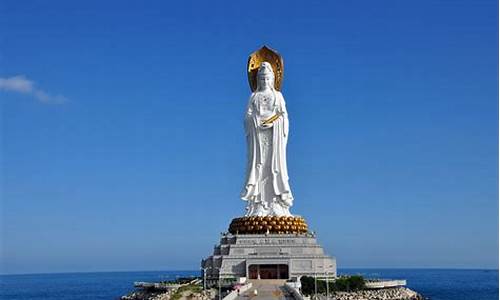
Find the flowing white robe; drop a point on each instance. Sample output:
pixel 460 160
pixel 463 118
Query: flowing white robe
pixel 264 197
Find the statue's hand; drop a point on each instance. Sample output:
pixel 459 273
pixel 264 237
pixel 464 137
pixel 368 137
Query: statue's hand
pixel 266 125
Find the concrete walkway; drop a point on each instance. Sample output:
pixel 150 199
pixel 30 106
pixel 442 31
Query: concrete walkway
pixel 267 289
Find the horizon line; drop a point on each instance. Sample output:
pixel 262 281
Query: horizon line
pixel 195 270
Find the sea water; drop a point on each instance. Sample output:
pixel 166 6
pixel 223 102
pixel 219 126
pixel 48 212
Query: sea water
pixel 436 284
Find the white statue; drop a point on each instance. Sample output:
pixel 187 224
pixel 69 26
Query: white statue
pixel 266 189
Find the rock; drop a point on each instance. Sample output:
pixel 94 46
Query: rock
pixel 398 293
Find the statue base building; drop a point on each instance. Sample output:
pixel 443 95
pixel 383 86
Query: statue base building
pixel 282 255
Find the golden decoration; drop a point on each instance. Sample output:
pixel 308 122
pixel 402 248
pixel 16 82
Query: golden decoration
pixel 271 119
pixel 257 58
pixel 268 224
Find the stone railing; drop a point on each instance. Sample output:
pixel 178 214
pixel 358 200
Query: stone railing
pixel 164 285
pixel 381 284
pixel 234 294
pixel 290 287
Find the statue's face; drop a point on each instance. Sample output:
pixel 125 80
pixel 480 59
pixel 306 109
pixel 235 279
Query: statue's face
pixel 265 81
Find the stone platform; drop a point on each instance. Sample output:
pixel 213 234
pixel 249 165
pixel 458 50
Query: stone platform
pixel 267 256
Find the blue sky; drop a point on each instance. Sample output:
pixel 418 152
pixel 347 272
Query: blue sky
pixel 122 136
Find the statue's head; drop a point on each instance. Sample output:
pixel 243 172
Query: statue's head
pixel 265 76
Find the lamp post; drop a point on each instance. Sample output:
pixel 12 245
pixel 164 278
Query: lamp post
pixel 204 278
pixel 327 288
pixel 218 273
pixel 315 283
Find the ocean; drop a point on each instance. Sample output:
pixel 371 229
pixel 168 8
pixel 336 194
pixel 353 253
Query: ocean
pixel 435 284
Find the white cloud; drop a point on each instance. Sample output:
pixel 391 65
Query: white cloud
pixel 21 84
pixel 17 83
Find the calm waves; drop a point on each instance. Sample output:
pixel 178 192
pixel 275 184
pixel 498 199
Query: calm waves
pixel 436 284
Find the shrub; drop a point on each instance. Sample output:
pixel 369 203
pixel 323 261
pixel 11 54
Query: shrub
pixel 349 283
pixel 341 284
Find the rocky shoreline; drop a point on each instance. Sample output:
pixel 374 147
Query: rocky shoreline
pixel 396 293
pixel 162 295
pixel 194 292
pixel 186 292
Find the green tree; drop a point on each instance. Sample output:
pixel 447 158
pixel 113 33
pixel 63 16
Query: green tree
pixel 341 284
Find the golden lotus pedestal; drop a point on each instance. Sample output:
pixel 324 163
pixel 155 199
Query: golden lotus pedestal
pixel 268 224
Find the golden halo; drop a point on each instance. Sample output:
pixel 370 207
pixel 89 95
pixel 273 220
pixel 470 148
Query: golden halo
pixel 257 58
